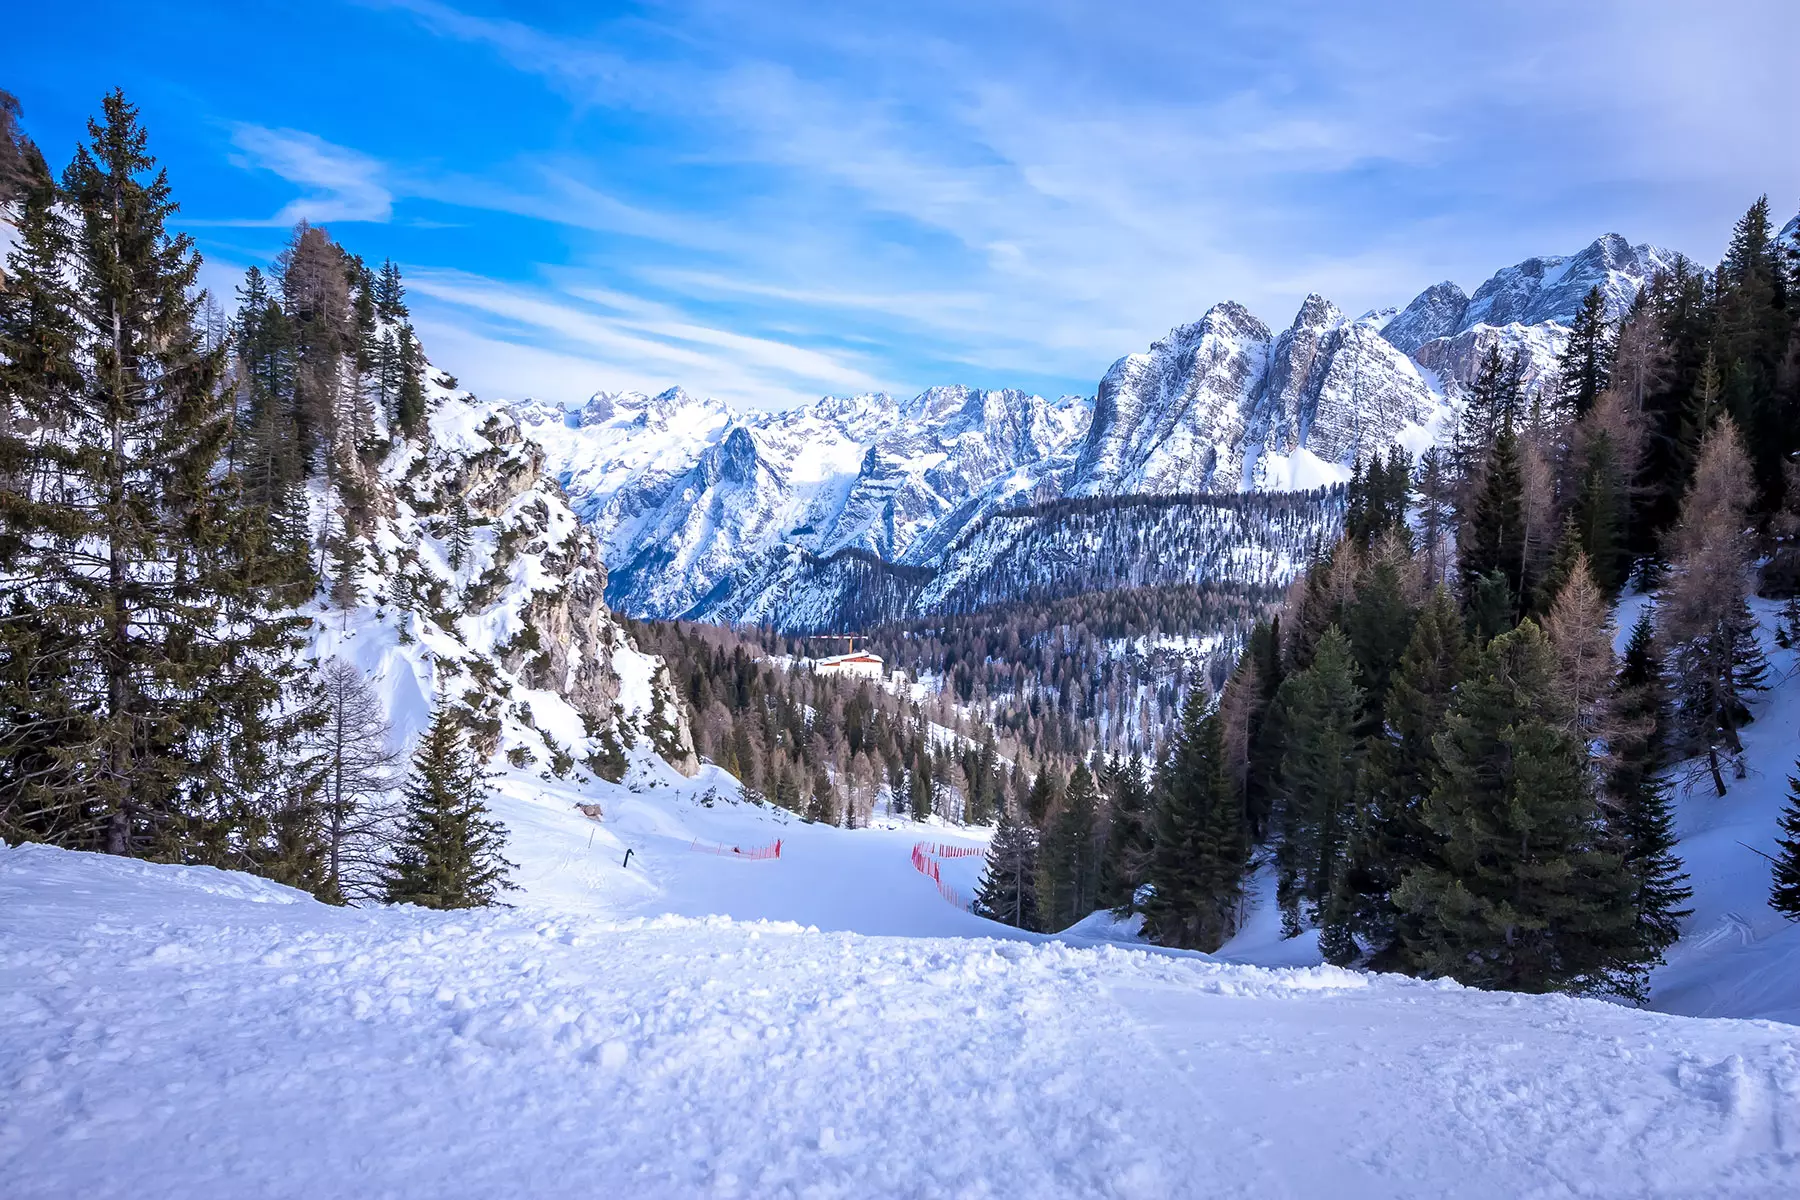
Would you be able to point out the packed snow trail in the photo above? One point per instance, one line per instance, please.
(183, 1032)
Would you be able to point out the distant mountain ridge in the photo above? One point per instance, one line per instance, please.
(707, 512)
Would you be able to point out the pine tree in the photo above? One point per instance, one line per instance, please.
(1128, 834)
(1263, 753)
(167, 711)
(1526, 898)
(1586, 360)
(1321, 708)
(1638, 810)
(1068, 867)
(1008, 890)
(1201, 848)
(1392, 836)
(1496, 399)
(1599, 513)
(409, 387)
(1045, 789)
(1492, 534)
(1784, 892)
(450, 852)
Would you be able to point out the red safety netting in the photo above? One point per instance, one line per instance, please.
(772, 850)
(948, 850)
(927, 866)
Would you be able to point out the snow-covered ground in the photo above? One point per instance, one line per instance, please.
(702, 1023)
(183, 1032)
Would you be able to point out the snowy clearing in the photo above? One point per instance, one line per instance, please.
(186, 1032)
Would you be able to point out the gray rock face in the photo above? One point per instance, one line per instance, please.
(694, 503)
(1173, 420)
(1552, 288)
(1434, 313)
(1456, 359)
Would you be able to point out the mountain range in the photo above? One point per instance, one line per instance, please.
(702, 511)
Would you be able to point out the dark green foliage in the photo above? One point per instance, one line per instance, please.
(1045, 790)
(147, 704)
(1584, 368)
(1639, 813)
(1068, 860)
(1377, 498)
(1128, 832)
(1526, 897)
(1784, 891)
(1492, 533)
(1320, 710)
(1262, 775)
(1202, 848)
(450, 851)
(1496, 400)
(1753, 331)
(1599, 514)
(1008, 891)
(1392, 837)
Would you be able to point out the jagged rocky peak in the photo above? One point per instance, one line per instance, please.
(1298, 360)
(645, 412)
(1434, 313)
(1552, 288)
(1457, 358)
(1172, 420)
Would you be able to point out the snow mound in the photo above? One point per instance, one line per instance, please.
(164, 1039)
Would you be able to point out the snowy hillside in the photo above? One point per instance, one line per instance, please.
(478, 581)
(549, 1050)
(702, 511)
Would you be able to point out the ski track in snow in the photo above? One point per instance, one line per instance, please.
(185, 1032)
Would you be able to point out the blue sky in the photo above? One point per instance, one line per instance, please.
(769, 201)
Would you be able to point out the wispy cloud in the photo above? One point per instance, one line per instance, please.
(648, 344)
(341, 184)
(749, 199)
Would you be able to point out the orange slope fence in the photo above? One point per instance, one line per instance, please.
(758, 853)
(947, 850)
(926, 865)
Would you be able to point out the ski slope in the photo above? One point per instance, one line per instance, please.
(184, 1032)
(825, 1024)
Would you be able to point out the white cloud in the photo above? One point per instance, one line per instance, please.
(342, 184)
(625, 341)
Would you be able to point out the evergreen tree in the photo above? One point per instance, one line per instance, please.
(1639, 812)
(1128, 834)
(1784, 892)
(1008, 890)
(458, 541)
(1496, 399)
(1044, 791)
(450, 852)
(1068, 867)
(1492, 533)
(409, 385)
(1263, 753)
(1321, 708)
(1200, 853)
(1583, 370)
(1392, 836)
(1599, 513)
(1526, 897)
(167, 721)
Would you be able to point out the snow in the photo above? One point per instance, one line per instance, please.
(165, 1034)
(825, 1024)
(1738, 956)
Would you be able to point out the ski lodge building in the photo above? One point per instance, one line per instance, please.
(857, 662)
